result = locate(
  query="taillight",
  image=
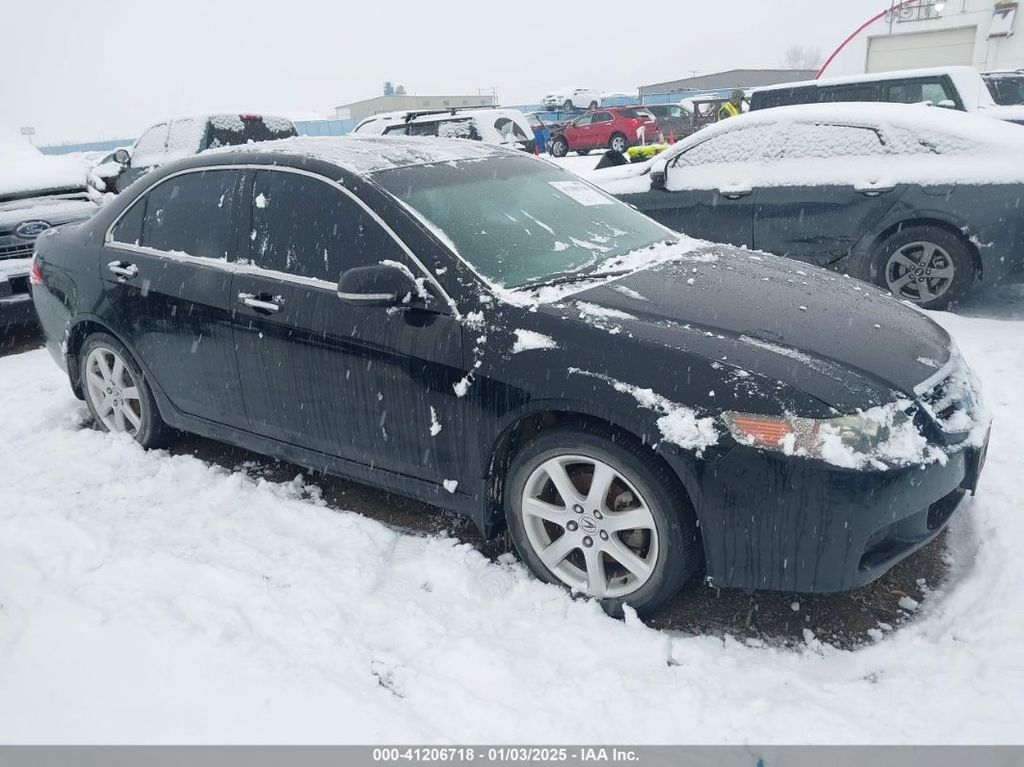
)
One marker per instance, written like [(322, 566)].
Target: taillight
[(35, 274)]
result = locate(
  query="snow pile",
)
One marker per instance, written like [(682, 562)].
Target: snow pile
[(23, 169), (156, 599)]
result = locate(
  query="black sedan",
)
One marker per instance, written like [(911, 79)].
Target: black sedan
[(922, 201), (476, 328)]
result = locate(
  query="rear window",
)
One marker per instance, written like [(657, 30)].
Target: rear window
[(232, 130)]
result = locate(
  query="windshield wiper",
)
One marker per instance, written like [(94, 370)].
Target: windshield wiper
[(568, 279)]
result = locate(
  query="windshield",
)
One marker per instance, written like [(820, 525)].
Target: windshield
[(1007, 90), (519, 221)]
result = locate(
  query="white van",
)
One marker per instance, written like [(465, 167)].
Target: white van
[(960, 88)]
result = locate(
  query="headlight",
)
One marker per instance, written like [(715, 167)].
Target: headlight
[(849, 440)]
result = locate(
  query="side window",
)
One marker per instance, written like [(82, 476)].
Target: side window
[(457, 129), (396, 130), (305, 227), (151, 147), (191, 214), (509, 130), (804, 141), (917, 91), (129, 229), (582, 121), (760, 143), (602, 117), (422, 129)]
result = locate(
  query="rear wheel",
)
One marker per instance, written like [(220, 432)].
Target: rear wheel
[(926, 265), (594, 512), (559, 147), (618, 143), (116, 391), (567, 104), (593, 105)]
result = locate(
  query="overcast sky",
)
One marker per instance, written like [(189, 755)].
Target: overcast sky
[(80, 71)]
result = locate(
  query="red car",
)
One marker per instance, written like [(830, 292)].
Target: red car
[(616, 128)]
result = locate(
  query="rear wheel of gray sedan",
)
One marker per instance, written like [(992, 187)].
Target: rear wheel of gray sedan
[(926, 265), (116, 391), (594, 511)]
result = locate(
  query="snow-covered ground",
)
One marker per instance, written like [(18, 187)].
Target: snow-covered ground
[(154, 598)]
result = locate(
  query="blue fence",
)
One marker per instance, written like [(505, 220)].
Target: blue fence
[(341, 127)]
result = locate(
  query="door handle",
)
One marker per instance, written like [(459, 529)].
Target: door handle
[(259, 303), (122, 270)]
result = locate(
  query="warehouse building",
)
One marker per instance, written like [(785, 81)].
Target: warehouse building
[(723, 81)]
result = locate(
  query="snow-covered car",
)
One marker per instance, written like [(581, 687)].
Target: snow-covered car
[(493, 126), (464, 324), (569, 97), (37, 193), (185, 136), (914, 199)]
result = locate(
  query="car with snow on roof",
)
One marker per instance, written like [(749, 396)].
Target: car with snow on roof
[(491, 125), (472, 326), (37, 193), (914, 199), (181, 137)]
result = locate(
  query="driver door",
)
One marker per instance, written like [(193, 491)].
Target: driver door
[(366, 384)]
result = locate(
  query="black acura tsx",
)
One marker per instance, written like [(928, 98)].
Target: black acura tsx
[(476, 328)]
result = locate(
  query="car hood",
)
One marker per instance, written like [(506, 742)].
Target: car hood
[(29, 173), (840, 340), (53, 210)]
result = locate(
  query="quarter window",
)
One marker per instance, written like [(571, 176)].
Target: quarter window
[(305, 227), (191, 214)]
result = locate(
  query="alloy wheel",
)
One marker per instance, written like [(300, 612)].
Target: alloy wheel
[(590, 526), (113, 391), (619, 144), (920, 272)]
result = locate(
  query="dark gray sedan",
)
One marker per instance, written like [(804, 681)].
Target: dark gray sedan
[(923, 201)]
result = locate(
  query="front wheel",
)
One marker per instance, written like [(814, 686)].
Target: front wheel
[(116, 391), (594, 512), (925, 265), (559, 147), (567, 105), (618, 143)]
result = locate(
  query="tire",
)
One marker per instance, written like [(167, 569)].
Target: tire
[(136, 416), (582, 152), (665, 550), (567, 104), (559, 147), (594, 105), (927, 265), (618, 143)]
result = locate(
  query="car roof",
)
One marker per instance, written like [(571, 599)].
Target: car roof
[(365, 154)]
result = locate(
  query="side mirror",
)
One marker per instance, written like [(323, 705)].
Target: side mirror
[(946, 104), (121, 157), (387, 284)]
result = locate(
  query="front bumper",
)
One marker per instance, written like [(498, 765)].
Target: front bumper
[(15, 298), (778, 523)]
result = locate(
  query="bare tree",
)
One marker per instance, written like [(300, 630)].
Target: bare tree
[(802, 57)]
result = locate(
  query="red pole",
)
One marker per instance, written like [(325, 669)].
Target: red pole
[(860, 29)]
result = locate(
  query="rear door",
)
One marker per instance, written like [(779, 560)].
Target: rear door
[(601, 125), (366, 384), (166, 278), (819, 216)]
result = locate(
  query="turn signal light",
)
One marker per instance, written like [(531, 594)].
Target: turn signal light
[(765, 432)]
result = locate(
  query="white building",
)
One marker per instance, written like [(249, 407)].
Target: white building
[(931, 33)]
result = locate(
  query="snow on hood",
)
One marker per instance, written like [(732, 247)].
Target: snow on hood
[(24, 169)]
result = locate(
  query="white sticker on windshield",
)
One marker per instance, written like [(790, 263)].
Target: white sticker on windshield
[(580, 192)]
